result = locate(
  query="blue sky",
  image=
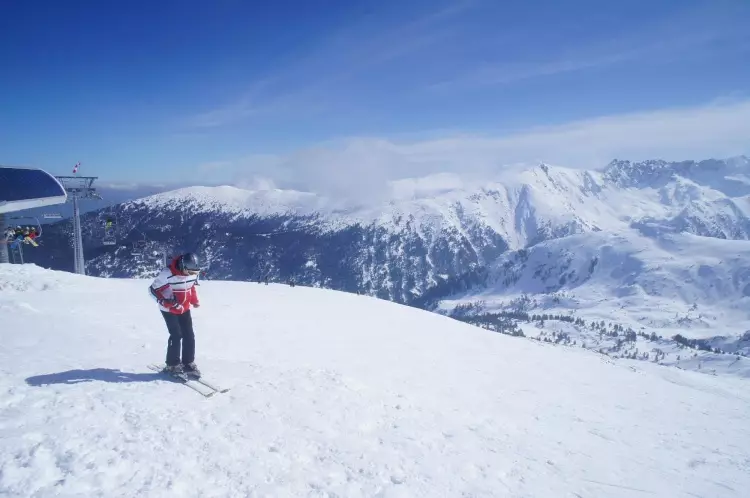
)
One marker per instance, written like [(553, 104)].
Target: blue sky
[(292, 91)]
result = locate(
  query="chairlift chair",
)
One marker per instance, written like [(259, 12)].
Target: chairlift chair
[(109, 225), (26, 221), (9, 237), (139, 248)]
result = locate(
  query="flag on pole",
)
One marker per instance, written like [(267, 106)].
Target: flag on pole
[(75, 168)]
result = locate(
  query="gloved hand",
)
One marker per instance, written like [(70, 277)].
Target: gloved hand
[(196, 305), (172, 304)]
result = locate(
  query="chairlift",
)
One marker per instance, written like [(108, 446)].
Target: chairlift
[(29, 232), (52, 216), (109, 226), (139, 248)]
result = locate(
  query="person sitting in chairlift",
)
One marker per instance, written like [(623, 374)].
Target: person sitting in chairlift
[(25, 234)]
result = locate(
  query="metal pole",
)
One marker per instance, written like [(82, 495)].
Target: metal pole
[(78, 188), (74, 220), (79, 265), (3, 247), (20, 251)]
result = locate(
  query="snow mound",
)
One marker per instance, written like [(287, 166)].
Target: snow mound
[(26, 278), (335, 394)]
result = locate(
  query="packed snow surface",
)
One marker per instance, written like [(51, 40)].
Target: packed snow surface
[(336, 394)]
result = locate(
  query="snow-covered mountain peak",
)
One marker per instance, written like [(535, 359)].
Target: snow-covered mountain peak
[(542, 195), (233, 200), (730, 176)]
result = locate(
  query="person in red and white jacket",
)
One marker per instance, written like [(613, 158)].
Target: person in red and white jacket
[(174, 290)]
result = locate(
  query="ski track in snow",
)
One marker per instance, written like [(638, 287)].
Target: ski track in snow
[(335, 394)]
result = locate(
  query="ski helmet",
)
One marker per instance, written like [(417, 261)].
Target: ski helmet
[(188, 263)]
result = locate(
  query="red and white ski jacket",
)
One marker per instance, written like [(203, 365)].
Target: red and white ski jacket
[(174, 291)]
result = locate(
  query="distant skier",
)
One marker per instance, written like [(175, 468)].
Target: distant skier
[(174, 290)]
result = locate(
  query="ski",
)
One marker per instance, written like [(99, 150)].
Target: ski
[(208, 384), (184, 379)]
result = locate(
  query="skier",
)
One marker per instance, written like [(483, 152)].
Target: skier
[(15, 237), (174, 290)]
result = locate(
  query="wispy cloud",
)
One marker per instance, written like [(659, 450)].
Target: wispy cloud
[(246, 105), (684, 35), (363, 166), (341, 55)]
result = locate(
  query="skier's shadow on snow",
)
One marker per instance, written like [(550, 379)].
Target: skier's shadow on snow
[(93, 374)]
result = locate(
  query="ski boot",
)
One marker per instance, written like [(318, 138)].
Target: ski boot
[(191, 369), (176, 371)]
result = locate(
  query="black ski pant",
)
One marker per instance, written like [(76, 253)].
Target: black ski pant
[(180, 331)]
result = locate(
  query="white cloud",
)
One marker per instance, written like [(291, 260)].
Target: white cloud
[(131, 186), (363, 166)]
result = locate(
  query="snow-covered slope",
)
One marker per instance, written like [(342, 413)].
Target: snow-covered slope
[(697, 287), (628, 270), (334, 394)]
